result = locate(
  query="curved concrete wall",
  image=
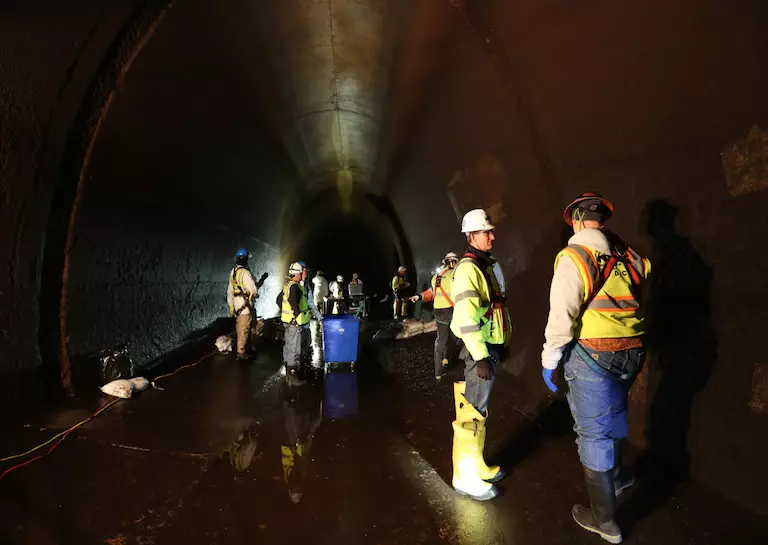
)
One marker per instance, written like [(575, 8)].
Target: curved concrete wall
[(513, 106)]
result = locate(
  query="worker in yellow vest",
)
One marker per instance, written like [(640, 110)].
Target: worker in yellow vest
[(294, 313), (596, 329), (482, 322), (399, 285), (439, 294), (242, 292)]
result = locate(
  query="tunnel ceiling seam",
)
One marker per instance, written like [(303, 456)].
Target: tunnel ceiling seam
[(343, 159)]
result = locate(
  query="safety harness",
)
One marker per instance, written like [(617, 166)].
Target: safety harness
[(497, 300), (238, 291), (619, 253), (438, 285)]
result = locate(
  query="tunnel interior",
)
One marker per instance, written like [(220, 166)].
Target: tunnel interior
[(144, 142)]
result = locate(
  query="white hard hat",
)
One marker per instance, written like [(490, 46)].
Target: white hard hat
[(295, 268), (450, 256), (476, 220), (339, 278), (401, 269)]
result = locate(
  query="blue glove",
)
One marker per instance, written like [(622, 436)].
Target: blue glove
[(549, 375)]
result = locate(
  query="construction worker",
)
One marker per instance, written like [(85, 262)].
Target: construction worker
[(356, 295), (399, 285), (241, 294), (439, 294), (295, 317), (355, 280), (482, 323), (595, 328), (311, 336), (337, 302), (320, 292)]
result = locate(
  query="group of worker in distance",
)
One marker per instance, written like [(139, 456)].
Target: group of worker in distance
[(595, 331)]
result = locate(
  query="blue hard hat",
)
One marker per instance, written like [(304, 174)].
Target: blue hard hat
[(303, 264), (242, 252)]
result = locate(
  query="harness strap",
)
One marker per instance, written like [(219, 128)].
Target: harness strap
[(439, 284)]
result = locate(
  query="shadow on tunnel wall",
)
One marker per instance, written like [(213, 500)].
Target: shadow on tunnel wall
[(682, 349)]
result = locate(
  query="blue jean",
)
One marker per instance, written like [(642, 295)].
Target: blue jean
[(478, 391), (599, 406)]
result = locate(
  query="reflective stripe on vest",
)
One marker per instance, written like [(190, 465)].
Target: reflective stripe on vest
[(287, 312), (442, 292), (612, 311), (494, 323)]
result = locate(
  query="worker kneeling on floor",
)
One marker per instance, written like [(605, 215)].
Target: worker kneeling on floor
[(482, 323), (295, 317), (596, 329)]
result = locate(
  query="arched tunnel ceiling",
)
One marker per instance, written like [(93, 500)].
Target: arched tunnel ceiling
[(331, 73)]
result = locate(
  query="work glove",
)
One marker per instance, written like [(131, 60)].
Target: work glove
[(550, 359), (416, 298), (549, 379), (484, 367), (232, 310)]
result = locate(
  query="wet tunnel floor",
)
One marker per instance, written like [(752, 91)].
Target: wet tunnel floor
[(202, 461)]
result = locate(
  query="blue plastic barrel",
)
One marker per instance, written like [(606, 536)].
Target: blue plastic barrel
[(340, 338)]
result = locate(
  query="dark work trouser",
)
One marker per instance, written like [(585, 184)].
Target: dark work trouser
[(445, 337)]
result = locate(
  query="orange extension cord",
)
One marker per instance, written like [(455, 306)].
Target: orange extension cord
[(63, 435)]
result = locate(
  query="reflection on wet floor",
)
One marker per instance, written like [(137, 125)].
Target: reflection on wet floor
[(228, 454)]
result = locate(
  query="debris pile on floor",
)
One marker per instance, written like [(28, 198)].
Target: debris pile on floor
[(410, 327), (270, 328)]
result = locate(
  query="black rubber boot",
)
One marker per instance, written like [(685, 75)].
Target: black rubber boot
[(623, 477), (599, 517)]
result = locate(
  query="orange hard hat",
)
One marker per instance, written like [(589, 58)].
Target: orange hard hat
[(589, 201)]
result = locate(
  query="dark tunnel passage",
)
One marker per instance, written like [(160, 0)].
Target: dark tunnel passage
[(144, 141)]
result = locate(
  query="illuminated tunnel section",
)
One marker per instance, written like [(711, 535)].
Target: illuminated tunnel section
[(141, 143)]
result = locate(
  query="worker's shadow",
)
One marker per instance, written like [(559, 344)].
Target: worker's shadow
[(682, 350)]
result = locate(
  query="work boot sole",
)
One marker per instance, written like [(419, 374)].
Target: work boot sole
[(492, 492), (583, 517)]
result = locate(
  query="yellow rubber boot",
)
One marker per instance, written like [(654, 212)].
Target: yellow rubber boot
[(467, 453), (492, 474)]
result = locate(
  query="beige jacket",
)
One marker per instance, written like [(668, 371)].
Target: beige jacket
[(566, 298), (239, 301)]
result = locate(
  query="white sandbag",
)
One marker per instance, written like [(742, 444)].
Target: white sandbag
[(118, 388), (224, 343), (139, 384)]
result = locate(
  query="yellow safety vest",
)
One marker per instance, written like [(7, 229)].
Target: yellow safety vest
[(397, 283), (287, 312), (612, 312), (442, 292), (479, 315)]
